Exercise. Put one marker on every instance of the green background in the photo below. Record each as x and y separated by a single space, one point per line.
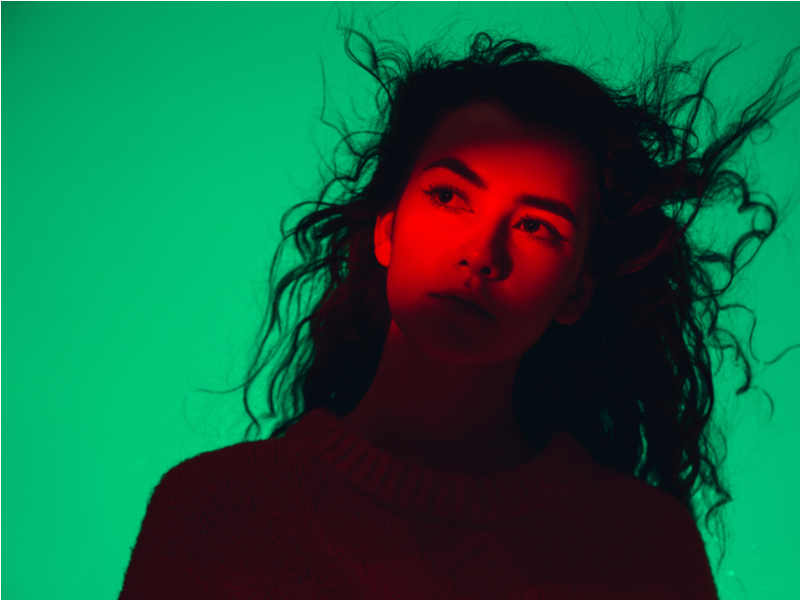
150 149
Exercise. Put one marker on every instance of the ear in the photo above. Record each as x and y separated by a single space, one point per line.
578 299
383 237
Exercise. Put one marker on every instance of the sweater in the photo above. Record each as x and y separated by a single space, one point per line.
322 513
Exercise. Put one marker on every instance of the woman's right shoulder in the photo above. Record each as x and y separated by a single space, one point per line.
234 469
202 501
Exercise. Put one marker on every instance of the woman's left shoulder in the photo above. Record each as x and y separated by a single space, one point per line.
634 500
656 527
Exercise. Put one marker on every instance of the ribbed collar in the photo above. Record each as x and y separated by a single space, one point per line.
550 477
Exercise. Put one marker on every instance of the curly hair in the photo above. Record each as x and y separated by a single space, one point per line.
642 397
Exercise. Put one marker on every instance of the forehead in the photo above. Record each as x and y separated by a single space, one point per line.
488 124
498 146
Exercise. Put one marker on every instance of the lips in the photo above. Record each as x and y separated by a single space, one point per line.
464 302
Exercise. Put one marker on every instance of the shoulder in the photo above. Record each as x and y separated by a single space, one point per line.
239 473
202 507
658 524
631 498
226 461
658 527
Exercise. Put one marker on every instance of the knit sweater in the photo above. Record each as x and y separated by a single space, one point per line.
322 513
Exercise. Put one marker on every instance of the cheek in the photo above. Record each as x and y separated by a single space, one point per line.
534 293
417 245
537 286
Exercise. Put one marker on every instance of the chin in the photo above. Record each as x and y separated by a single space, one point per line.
465 360
457 341
461 349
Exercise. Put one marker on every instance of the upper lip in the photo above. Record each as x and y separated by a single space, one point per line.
466 296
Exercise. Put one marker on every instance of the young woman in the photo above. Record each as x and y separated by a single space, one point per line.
500 383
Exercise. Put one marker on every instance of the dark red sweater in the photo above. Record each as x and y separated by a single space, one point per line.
320 513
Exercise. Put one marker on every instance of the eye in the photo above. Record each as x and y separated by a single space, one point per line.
442 195
445 195
531 226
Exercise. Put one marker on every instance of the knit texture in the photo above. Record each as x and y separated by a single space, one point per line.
321 513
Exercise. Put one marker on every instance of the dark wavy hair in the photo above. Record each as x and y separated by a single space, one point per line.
641 396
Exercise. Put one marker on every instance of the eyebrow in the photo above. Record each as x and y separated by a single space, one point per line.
557 207
459 168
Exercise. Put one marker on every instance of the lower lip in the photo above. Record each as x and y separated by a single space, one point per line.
462 307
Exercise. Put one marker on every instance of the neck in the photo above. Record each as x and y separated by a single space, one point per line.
448 417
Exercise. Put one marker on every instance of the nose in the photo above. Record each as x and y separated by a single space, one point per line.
483 255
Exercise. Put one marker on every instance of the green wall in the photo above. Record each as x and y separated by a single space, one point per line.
150 149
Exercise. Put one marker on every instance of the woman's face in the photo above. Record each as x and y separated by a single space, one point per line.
496 212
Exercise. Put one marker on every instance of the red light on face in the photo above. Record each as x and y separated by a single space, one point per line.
490 230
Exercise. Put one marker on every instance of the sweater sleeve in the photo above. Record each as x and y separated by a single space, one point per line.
162 560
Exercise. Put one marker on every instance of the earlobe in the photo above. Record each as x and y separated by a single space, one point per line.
383 237
578 300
